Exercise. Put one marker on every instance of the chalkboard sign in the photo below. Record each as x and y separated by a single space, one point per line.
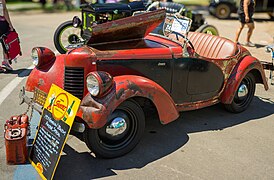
56 120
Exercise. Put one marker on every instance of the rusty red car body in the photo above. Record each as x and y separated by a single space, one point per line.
147 67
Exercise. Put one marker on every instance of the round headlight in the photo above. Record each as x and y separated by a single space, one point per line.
93 85
34 56
42 57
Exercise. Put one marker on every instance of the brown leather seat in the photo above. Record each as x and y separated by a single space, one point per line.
211 46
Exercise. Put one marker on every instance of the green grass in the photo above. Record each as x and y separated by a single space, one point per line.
22 6
28 6
193 2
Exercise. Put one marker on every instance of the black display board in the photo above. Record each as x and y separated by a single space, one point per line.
48 144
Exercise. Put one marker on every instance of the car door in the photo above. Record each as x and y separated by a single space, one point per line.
195 80
158 70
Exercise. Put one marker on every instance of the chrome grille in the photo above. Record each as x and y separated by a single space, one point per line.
74 81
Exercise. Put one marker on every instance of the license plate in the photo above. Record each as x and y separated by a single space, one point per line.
39 96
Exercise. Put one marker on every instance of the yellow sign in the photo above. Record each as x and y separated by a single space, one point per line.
62 104
57 118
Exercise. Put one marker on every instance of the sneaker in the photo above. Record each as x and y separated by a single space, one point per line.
249 44
6 66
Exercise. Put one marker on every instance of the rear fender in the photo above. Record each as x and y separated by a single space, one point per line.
246 65
96 111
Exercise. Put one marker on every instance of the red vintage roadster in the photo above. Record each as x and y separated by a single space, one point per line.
127 68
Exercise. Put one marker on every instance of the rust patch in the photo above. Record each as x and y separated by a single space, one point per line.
132 86
120 93
150 97
41 82
138 26
193 106
90 108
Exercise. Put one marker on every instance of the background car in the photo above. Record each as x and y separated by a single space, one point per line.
222 9
76 32
192 2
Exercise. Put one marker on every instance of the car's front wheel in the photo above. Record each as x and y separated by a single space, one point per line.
243 96
120 135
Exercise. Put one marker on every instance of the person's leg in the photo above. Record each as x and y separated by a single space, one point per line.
238 32
4 55
5 63
4 28
251 27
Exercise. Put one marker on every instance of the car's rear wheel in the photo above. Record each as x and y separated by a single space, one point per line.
243 96
208 29
223 11
120 135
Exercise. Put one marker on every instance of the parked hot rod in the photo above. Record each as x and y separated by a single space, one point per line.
126 67
77 31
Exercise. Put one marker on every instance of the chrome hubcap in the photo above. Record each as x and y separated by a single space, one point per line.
117 127
242 91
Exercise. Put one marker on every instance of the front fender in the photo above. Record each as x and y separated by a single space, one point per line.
246 65
43 78
96 111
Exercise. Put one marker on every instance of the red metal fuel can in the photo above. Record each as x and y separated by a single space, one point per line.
16 139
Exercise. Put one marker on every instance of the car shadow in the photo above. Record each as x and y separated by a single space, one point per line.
20 72
235 17
215 118
260 45
159 140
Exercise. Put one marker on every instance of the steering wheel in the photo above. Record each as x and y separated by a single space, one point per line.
184 37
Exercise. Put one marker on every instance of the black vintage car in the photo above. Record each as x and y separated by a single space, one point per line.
222 9
75 32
